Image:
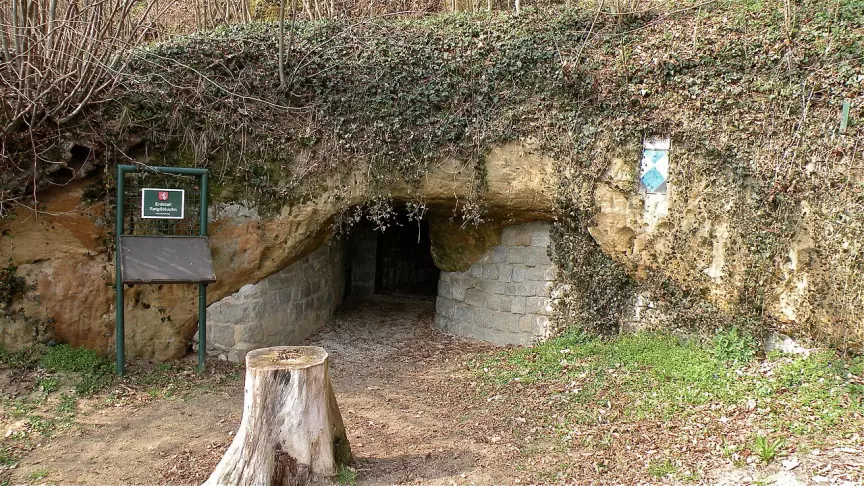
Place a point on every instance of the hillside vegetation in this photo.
(750, 92)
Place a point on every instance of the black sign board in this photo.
(160, 259)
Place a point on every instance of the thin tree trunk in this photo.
(282, 82)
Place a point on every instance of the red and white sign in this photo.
(163, 195)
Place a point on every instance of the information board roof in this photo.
(166, 259)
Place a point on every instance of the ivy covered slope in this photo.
(750, 96)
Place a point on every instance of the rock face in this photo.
(63, 254)
(60, 251)
(504, 297)
(673, 234)
(455, 248)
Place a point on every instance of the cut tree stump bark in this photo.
(291, 428)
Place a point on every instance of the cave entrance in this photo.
(395, 260)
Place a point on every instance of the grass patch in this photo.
(80, 360)
(38, 474)
(662, 468)
(68, 404)
(654, 372)
(658, 377)
(7, 457)
(346, 476)
(47, 384)
(767, 449)
(95, 371)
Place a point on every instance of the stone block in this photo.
(499, 254)
(540, 238)
(462, 312)
(490, 271)
(519, 273)
(536, 305)
(506, 322)
(445, 306)
(249, 291)
(499, 320)
(526, 323)
(521, 289)
(221, 335)
(517, 304)
(527, 339)
(476, 270)
(492, 302)
(493, 287)
(483, 317)
(505, 273)
(543, 289)
(540, 273)
(522, 235)
(445, 276)
(516, 255)
(445, 324)
(233, 312)
(238, 353)
(508, 236)
(445, 289)
(534, 256)
(502, 338)
(475, 297)
(504, 303)
(540, 326)
(458, 292)
(536, 289)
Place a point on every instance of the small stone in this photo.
(791, 463)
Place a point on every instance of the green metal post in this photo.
(202, 325)
(119, 331)
(202, 288)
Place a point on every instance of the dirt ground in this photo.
(401, 386)
(413, 414)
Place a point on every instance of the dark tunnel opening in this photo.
(396, 260)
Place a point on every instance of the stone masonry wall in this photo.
(503, 297)
(364, 245)
(282, 309)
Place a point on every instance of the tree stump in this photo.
(291, 428)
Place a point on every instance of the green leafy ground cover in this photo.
(45, 390)
(683, 401)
